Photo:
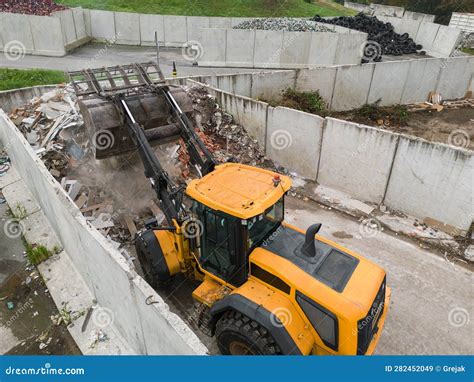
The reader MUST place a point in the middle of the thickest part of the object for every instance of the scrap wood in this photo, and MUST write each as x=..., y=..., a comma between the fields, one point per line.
x=94, y=207
x=132, y=228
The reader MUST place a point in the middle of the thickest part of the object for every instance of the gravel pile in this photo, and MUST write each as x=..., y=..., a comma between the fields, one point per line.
x=381, y=40
x=30, y=7
x=284, y=23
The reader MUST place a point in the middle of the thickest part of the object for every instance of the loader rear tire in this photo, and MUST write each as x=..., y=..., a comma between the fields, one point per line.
x=237, y=334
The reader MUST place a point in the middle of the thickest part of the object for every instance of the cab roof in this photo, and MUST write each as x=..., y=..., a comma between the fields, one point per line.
x=239, y=190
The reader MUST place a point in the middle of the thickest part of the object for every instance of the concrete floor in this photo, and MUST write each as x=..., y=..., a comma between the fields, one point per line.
x=97, y=55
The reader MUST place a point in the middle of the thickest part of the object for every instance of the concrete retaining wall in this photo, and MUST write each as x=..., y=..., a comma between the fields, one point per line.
x=278, y=49
x=148, y=329
x=43, y=35
x=432, y=180
x=368, y=163
x=387, y=10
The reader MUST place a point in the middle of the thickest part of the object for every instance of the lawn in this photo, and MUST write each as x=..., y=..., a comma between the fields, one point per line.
x=234, y=8
x=20, y=78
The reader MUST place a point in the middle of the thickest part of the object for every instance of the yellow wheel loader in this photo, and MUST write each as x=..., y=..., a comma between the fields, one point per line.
x=266, y=287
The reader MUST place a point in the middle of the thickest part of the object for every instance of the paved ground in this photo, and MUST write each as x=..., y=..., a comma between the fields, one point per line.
x=98, y=55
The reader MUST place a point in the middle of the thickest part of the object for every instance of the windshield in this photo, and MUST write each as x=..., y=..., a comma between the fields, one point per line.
x=259, y=227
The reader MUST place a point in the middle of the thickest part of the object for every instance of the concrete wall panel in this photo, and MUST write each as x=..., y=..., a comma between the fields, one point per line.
x=350, y=48
x=220, y=22
x=356, y=159
x=240, y=84
x=148, y=25
x=445, y=41
x=176, y=31
x=294, y=140
x=67, y=25
x=16, y=31
x=295, y=49
x=427, y=34
x=102, y=25
x=213, y=42
x=318, y=79
x=387, y=10
x=390, y=75
x=268, y=48
x=422, y=79
x=127, y=28
x=79, y=23
x=194, y=23
x=87, y=21
x=455, y=77
x=352, y=86
x=323, y=48
x=270, y=85
x=47, y=35
x=240, y=45
x=432, y=180
x=409, y=26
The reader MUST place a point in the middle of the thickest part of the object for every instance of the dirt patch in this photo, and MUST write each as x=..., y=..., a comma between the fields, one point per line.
x=452, y=125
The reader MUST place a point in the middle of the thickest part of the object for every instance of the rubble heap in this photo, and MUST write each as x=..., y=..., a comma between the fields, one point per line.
x=283, y=23
x=31, y=7
x=382, y=38
x=227, y=140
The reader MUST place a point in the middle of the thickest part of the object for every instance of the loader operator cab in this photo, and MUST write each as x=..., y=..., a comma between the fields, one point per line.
x=229, y=232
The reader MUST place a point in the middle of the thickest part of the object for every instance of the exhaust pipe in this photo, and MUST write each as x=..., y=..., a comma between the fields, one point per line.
x=309, y=249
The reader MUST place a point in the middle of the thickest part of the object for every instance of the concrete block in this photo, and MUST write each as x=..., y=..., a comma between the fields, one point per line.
x=47, y=35
x=432, y=180
x=79, y=23
x=268, y=48
x=320, y=79
x=16, y=33
x=237, y=20
x=388, y=82
x=102, y=25
x=240, y=47
x=127, y=28
x=422, y=78
x=322, y=49
x=350, y=48
x=176, y=30
x=427, y=34
x=455, y=77
x=294, y=140
x=356, y=159
x=352, y=86
x=148, y=25
x=194, y=23
x=446, y=41
x=67, y=25
x=270, y=85
x=220, y=22
x=419, y=16
x=295, y=49
x=240, y=84
x=247, y=112
x=213, y=42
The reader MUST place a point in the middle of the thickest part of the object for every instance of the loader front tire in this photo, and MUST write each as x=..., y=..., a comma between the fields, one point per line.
x=237, y=334
x=152, y=260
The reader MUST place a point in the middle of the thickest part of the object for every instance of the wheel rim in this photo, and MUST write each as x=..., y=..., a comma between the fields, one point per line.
x=240, y=348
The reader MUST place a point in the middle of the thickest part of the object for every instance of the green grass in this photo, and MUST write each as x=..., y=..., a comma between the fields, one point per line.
x=234, y=8
x=468, y=51
x=37, y=254
x=19, y=78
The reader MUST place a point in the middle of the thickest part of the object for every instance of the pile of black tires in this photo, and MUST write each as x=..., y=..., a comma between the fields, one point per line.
x=381, y=40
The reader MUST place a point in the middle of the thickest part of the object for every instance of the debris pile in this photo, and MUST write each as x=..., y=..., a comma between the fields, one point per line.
x=31, y=7
x=51, y=124
x=283, y=23
x=382, y=38
x=227, y=140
